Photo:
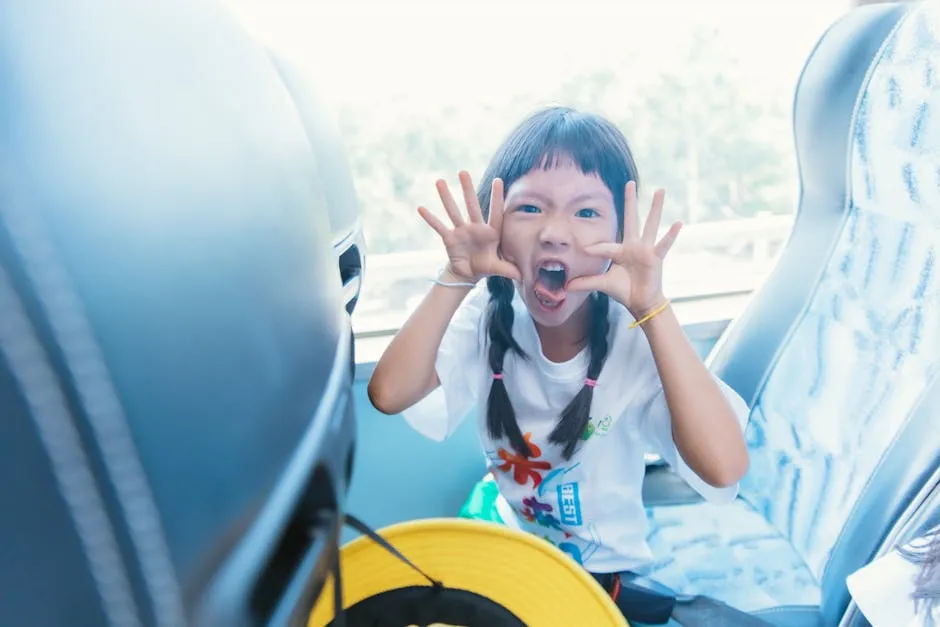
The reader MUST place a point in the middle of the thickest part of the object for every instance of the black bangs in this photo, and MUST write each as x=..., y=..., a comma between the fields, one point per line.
x=559, y=133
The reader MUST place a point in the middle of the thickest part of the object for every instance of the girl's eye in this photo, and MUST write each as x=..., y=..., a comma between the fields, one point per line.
x=587, y=213
x=527, y=209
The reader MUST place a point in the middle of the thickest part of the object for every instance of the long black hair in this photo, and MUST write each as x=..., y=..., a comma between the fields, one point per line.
x=927, y=583
x=541, y=140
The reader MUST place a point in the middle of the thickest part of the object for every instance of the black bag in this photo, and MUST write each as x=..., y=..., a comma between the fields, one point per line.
x=643, y=600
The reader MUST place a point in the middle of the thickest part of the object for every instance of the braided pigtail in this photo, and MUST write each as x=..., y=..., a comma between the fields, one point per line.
x=500, y=416
x=541, y=142
x=574, y=419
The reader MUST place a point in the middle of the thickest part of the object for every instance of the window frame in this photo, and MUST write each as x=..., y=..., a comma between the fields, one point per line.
x=704, y=317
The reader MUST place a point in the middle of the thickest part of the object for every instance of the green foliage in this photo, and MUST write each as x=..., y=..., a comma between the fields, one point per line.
x=718, y=145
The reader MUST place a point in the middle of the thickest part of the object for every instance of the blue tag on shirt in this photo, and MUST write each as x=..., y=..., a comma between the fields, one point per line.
x=569, y=504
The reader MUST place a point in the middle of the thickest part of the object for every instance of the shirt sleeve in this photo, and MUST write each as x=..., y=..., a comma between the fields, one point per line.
x=459, y=367
x=656, y=427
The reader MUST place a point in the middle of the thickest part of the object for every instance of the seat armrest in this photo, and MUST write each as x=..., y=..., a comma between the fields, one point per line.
x=662, y=486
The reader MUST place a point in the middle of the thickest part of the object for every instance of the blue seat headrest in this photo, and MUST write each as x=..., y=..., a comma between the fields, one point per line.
x=175, y=357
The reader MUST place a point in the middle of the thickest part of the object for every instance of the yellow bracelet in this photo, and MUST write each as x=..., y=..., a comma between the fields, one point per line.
x=650, y=315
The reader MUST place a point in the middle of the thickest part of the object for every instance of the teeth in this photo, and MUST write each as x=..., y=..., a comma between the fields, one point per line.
x=548, y=304
x=552, y=266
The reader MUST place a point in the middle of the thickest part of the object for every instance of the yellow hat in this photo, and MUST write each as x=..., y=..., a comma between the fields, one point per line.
x=491, y=575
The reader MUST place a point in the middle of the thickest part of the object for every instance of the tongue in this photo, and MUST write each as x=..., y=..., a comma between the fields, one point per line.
x=549, y=293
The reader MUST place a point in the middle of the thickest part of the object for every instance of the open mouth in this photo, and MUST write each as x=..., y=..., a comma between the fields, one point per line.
x=550, y=280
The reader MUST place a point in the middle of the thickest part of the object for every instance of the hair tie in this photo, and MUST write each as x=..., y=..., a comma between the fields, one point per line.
x=498, y=376
x=590, y=382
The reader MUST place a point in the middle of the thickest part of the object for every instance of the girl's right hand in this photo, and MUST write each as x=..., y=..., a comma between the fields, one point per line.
x=472, y=247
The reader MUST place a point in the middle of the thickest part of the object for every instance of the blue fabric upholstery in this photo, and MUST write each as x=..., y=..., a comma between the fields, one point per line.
x=868, y=343
x=729, y=552
x=851, y=332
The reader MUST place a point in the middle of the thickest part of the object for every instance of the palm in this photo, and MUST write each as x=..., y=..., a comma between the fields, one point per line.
x=472, y=247
x=635, y=274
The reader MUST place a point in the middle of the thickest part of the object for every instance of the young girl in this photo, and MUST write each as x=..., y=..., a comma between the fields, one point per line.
x=569, y=348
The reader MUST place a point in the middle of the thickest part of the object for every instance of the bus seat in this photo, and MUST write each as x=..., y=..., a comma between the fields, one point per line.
x=176, y=422
x=334, y=175
x=839, y=352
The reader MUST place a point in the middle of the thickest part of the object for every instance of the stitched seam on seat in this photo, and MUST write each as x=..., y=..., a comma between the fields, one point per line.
x=852, y=614
x=70, y=465
x=96, y=391
x=788, y=609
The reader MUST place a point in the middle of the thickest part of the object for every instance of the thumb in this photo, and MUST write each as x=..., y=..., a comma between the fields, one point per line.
x=506, y=269
x=589, y=283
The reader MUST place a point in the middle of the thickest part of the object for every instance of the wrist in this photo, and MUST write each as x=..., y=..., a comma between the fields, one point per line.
x=653, y=307
x=449, y=277
x=661, y=326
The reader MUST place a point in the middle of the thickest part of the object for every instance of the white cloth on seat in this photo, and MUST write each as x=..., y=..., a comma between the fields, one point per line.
x=883, y=592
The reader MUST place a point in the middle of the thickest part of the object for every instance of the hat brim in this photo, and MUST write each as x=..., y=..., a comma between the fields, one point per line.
x=524, y=575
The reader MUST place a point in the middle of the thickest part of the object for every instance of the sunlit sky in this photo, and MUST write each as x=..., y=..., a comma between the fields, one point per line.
x=439, y=51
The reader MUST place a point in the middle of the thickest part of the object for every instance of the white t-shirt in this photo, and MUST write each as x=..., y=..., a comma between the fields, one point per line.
x=591, y=506
x=883, y=592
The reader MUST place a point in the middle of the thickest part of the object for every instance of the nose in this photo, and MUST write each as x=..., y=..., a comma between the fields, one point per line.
x=555, y=232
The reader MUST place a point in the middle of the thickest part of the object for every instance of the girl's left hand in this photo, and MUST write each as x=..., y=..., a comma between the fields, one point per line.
x=635, y=277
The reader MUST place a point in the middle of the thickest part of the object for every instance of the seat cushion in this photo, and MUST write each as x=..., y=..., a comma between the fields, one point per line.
x=729, y=552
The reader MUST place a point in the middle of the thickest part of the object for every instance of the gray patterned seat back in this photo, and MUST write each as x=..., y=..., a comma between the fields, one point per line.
x=843, y=384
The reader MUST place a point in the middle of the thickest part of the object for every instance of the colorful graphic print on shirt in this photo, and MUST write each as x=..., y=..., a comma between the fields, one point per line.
x=579, y=550
x=524, y=468
x=537, y=508
x=597, y=427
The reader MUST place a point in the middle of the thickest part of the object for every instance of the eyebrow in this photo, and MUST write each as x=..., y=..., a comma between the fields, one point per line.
x=595, y=196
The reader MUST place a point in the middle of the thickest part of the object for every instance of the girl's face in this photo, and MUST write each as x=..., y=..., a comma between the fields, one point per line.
x=551, y=215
